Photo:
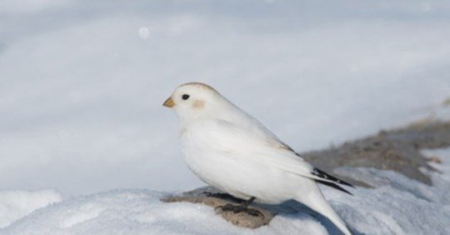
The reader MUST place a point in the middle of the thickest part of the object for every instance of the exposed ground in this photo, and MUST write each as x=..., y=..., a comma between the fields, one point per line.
x=397, y=150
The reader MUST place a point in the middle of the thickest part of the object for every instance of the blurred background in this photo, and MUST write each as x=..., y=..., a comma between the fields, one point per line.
x=82, y=82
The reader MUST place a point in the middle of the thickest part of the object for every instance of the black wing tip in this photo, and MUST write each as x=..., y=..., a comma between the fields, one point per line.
x=322, y=174
x=335, y=186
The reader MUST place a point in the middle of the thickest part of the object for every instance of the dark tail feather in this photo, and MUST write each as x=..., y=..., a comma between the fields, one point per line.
x=327, y=178
x=335, y=186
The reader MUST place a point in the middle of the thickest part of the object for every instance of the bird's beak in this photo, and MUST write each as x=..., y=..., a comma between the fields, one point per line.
x=169, y=103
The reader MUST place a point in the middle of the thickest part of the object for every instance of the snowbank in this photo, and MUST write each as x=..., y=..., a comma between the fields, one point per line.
x=398, y=206
x=15, y=204
x=141, y=212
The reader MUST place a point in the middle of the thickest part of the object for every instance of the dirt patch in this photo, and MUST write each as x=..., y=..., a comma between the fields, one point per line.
x=217, y=200
x=397, y=150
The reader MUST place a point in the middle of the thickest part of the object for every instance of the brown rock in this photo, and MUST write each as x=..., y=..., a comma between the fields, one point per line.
x=435, y=160
x=242, y=219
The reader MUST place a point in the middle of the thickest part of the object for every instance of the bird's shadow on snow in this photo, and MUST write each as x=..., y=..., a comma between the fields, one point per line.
x=294, y=208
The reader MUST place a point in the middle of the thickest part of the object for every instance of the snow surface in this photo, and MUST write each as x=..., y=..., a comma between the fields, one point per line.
x=82, y=83
x=16, y=204
x=141, y=212
x=397, y=206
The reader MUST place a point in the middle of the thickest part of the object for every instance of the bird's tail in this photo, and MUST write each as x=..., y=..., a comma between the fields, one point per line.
x=314, y=199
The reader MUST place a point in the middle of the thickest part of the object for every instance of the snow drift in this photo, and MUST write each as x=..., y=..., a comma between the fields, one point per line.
x=398, y=206
x=15, y=204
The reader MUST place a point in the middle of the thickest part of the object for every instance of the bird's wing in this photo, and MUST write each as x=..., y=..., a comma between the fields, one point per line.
x=255, y=146
x=252, y=125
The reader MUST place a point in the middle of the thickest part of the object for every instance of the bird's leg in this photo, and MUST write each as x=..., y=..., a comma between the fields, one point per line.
x=248, y=202
x=243, y=207
x=224, y=196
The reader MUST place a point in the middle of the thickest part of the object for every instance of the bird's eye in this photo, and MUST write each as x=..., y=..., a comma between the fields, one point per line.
x=185, y=97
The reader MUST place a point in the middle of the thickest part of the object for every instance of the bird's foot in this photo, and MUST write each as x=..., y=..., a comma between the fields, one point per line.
x=240, y=208
x=224, y=196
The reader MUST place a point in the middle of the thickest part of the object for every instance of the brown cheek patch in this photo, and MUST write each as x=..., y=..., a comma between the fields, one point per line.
x=199, y=104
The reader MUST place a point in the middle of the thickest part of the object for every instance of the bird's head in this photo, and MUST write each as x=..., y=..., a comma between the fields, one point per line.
x=192, y=101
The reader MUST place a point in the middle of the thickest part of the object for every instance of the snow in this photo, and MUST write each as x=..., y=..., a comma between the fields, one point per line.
x=82, y=83
x=444, y=156
x=397, y=206
x=141, y=212
x=15, y=204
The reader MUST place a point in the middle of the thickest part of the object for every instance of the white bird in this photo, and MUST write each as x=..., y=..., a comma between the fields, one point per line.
x=233, y=152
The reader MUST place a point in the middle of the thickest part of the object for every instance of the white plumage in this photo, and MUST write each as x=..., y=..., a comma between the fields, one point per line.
x=232, y=151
